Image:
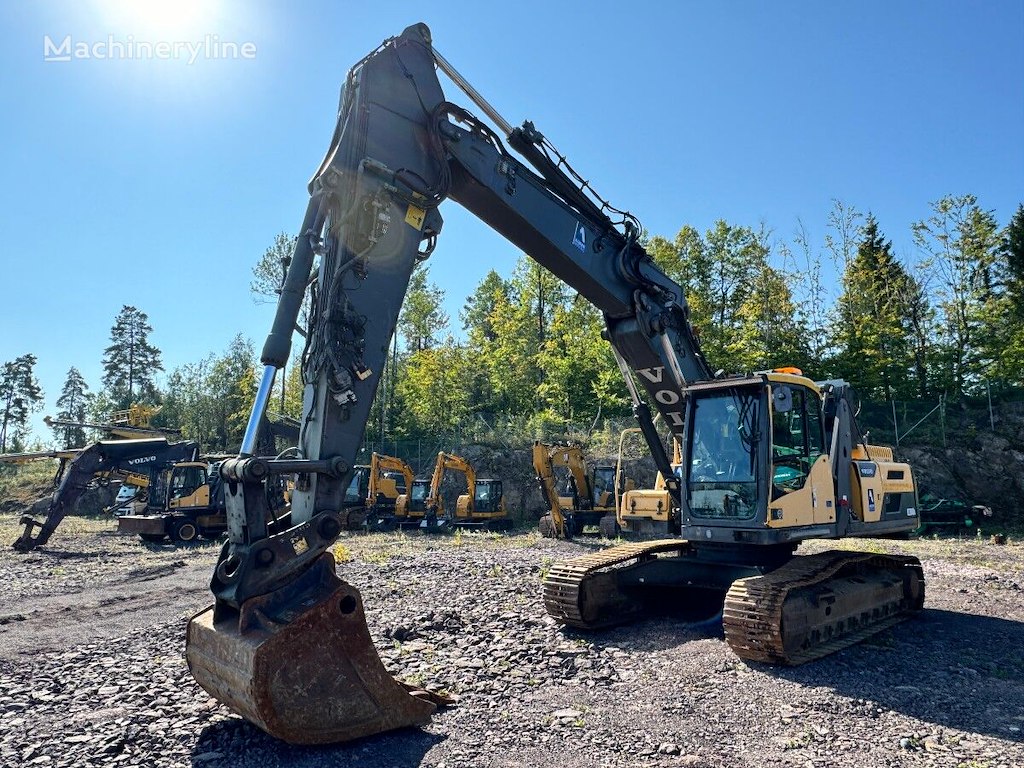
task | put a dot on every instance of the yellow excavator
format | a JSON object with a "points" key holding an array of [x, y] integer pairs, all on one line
{"points": [[590, 498], [186, 503], [482, 506], [769, 459], [386, 499], [642, 512]]}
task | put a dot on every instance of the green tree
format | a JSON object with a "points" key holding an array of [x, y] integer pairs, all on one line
{"points": [[130, 362], [232, 384], [873, 330], [509, 359], [539, 291], [71, 406], [920, 318], [210, 400], [268, 274], [1005, 310], [845, 231], [476, 314], [20, 396], [581, 380], [1013, 253], [422, 318], [769, 333], [436, 401], [961, 242], [811, 296]]}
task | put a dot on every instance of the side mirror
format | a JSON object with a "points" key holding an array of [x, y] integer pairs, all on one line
{"points": [[782, 399]]}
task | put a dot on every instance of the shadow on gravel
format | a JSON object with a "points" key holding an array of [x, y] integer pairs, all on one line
{"points": [[239, 744], [669, 629], [955, 670], [63, 554]]}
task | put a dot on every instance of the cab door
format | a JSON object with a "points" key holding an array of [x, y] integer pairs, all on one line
{"points": [[801, 473]]}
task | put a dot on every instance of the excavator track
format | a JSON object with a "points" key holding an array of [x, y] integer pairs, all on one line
{"points": [[581, 593], [815, 605]]}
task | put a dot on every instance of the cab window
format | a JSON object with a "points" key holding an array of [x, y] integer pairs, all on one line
{"points": [[186, 481], [797, 439]]}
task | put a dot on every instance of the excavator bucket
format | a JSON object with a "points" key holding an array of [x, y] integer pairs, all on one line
{"points": [[300, 664]]}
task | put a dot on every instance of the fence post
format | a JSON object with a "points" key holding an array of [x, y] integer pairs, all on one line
{"points": [[942, 417], [895, 426], [991, 416]]}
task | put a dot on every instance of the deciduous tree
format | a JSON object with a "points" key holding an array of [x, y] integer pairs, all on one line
{"points": [[423, 318], [961, 241]]}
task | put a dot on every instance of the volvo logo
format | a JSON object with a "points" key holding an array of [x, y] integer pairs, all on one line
{"points": [[142, 460], [664, 396]]}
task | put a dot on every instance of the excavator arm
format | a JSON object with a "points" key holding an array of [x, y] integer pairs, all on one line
{"points": [[445, 462], [569, 455], [380, 463], [281, 615], [136, 456]]}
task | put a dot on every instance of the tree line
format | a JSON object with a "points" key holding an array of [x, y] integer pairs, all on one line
{"points": [[528, 357], [531, 355]]}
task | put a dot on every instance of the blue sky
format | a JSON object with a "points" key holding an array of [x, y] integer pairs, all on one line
{"points": [[159, 183]]}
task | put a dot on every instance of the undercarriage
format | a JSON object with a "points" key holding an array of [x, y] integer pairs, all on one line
{"points": [[780, 609]]}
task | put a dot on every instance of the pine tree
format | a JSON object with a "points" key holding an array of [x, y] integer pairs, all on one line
{"points": [[20, 395], [1013, 251], [873, 331], [71, 406], [130, 362]]}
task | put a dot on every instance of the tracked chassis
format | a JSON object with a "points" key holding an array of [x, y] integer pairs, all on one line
{"points": [[788, 612]]}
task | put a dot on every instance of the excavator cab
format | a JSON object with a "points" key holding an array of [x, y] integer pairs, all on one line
{"points": [[417, 503], [487, 496], [354, 504], [188, 486], [604, 487], [774, 454]]}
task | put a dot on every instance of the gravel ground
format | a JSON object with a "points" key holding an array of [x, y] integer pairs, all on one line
{"points": [[92, 669]]}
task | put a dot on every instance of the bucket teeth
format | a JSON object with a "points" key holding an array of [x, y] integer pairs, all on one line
{"points": [[300, 664]]}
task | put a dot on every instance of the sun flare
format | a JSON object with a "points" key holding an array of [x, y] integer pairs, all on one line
{"points": [[160, 19]]}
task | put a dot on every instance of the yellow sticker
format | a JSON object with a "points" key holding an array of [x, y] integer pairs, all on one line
{"points": [[414, 217], [299, 545]]}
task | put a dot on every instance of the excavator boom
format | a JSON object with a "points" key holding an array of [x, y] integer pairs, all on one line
{"points": [[399, 149]]}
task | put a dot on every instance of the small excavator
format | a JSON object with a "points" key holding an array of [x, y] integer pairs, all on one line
{"points": [[590, 498], [386, 507], [642, 512], [769, 459], [482, 506]]}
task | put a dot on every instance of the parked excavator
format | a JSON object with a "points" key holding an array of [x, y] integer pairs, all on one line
{"points": [[386, 500], [144, 456], [188, 503], [643, 512], [589, 498], [286, 643], [482, 506]]}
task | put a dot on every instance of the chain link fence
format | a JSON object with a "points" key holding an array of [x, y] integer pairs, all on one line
{"points": [[944, 422]]}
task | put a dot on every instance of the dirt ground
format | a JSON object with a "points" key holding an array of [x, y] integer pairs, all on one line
{"points": [[92, 669]]}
